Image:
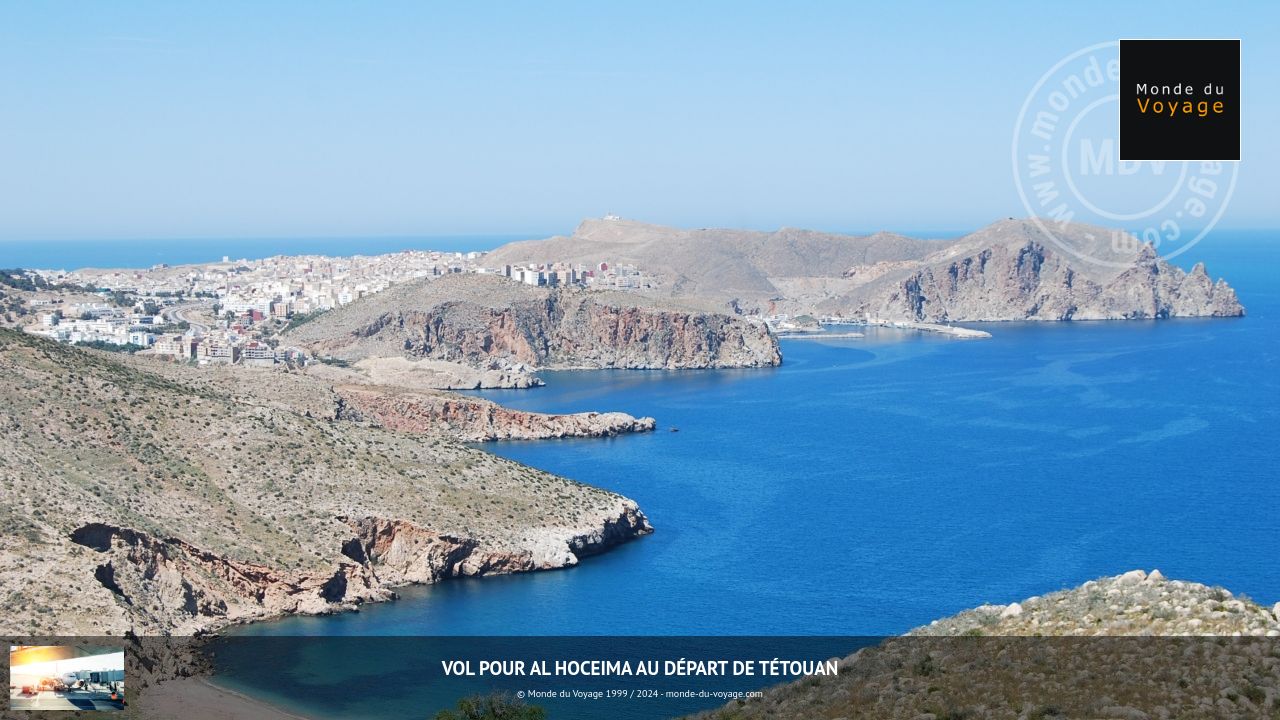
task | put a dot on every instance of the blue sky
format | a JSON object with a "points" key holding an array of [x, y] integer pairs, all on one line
{"points": [[171, 119]]}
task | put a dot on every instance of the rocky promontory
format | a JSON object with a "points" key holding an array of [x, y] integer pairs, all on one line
{"points": [[191, 500], [172, 584], [472, 419], [478, 320], [1012, 271]]}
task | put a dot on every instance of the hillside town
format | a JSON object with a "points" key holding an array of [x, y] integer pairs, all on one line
{"points": [[230, 311]]}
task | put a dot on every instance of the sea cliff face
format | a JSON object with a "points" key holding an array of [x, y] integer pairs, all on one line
{"points": [[396, 552], [473, 419], [480, 320], [170, 583], [1034, 281], [578, 332]]}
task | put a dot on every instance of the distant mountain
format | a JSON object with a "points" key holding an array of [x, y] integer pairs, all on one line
{"points": [[1009, 270], [715, 262]]}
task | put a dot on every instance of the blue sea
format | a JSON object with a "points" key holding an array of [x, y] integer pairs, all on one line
{"points": [[869, 486]]}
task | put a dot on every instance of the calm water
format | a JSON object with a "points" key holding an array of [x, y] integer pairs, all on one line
{"points": [[869, 486]]}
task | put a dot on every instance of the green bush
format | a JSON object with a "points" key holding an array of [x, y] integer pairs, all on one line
{"points": [[492, 707]]}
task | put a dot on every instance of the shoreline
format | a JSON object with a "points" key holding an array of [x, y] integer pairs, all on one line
{"points": [[820, 336], [939, 328]]}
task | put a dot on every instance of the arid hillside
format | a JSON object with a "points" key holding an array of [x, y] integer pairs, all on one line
{"points": [[716, 261], [162, 498]]}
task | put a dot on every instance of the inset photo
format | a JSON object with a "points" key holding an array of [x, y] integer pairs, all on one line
{"points": [[66, 677]]}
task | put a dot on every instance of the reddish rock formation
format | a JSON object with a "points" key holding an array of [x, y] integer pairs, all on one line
{"points": [[1011, 271], [398, 552], [477, 320], [177, 584], [174, 584], [475, 419]]}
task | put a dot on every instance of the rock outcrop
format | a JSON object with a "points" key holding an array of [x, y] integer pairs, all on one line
{"points": [[479, 320], [170, 583], [1136, 645], [472, 419], [1011, 271], [396, 552], [1135, 603]]}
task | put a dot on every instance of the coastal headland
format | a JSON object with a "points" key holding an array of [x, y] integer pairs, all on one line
{"points": [[187, 503]]}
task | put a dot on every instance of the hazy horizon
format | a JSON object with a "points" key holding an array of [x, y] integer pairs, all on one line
{"points": [[917, 233]]}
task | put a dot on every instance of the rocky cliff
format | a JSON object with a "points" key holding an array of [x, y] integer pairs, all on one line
{"points": [[473, 419], [478, 319], [1136, 646], [1011, 271], [191, 499], [170, 583], [396, 552]]}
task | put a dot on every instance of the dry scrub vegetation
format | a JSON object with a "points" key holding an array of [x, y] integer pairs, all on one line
{"points": [[249, 466]]}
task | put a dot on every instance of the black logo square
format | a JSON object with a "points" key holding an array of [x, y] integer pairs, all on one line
{"points": [[1179, 99]]}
